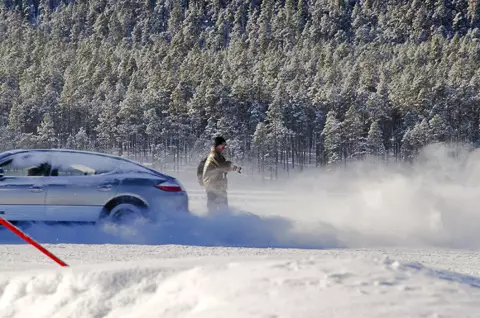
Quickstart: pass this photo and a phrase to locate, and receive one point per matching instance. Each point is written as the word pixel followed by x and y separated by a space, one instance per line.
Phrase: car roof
pixel 18 151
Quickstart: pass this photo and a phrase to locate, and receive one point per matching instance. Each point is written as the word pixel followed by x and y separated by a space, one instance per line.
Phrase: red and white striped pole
pixel 29 240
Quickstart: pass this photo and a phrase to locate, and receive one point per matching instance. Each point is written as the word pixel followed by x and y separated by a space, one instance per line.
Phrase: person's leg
pixel 217 200
pixel 211 198
pixel 222 199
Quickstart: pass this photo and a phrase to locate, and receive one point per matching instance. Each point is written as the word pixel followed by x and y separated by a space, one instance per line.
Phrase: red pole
pixel 29 240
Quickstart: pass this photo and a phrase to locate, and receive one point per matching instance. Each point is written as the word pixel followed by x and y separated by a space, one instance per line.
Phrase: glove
pixel 237 169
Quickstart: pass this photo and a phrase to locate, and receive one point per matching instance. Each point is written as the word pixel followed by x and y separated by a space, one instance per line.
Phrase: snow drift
pixel 220 287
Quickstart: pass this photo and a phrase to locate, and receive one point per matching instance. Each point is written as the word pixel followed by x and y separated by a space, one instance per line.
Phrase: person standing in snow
pixel 215 176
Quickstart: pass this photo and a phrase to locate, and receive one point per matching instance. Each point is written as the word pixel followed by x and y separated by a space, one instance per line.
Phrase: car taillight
pixel 169 187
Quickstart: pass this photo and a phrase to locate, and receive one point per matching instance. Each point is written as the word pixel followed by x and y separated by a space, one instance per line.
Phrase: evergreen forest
pixel 289 84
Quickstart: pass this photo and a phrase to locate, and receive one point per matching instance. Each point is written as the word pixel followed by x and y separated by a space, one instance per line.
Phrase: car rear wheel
pixel 125 213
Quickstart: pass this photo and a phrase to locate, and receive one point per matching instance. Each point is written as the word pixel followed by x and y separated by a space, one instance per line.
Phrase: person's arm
pixel 229 166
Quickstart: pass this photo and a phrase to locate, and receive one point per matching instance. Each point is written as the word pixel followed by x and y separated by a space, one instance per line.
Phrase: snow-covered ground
pixel 179 281
pixel 378 242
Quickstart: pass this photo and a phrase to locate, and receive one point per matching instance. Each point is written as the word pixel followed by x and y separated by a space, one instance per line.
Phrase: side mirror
pixel 2 173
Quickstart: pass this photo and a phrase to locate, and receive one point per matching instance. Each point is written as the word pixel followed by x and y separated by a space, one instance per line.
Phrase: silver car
pixel 79 186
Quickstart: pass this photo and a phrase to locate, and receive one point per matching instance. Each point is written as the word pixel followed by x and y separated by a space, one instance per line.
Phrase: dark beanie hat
pixel 218 141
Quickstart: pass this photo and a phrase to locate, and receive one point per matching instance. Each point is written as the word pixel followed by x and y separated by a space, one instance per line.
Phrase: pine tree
pixel 70 144
pixel 81 139
pixel 46 136
pixel 332 133
pixel 375 146
pixel 439 129
pixel 415 139
pixel 352 129
pixel 260 145
pixel 276 133
pixel 474 13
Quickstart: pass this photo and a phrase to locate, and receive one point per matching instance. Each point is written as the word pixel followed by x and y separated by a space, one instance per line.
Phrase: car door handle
pixel 36 189
pixel 104 187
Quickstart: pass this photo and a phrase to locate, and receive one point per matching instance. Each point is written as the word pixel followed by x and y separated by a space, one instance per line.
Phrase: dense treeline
pixel 288 83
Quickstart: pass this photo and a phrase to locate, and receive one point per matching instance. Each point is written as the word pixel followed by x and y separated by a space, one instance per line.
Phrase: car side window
pixel 72 170
pixel 79 164
pixel 26 165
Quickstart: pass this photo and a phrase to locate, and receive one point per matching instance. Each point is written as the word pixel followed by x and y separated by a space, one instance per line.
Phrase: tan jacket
pixel 215 172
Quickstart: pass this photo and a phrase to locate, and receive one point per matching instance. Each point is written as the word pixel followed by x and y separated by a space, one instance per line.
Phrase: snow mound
pixel 243 287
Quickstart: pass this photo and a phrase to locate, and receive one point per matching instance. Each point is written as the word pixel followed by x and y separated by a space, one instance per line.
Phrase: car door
pixel 79 186
pixel 22 187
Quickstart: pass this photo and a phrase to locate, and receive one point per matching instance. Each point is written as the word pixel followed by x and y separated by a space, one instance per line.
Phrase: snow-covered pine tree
pixel 374 144
pixel 332 133
pixel 46 136
pixel 81 139
pixel 352 135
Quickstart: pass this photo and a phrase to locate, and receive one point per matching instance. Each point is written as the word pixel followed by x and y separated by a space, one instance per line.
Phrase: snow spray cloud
pixel 234 228
pixel 230 229
pixel 433 202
